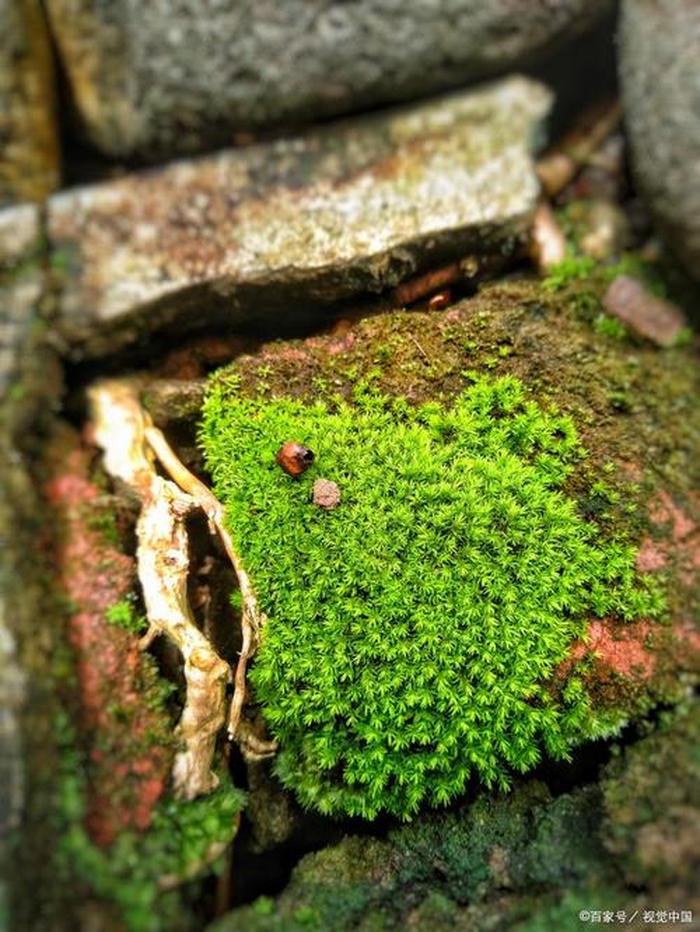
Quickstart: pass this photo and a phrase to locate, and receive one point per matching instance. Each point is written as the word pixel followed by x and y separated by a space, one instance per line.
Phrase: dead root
pixel 131 444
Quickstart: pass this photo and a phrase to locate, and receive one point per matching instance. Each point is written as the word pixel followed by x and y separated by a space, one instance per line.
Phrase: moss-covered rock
pixel 528 861
pixel 30 630
pixel 365 599
pixel 410 629
pixel 652 800
pixel 499 849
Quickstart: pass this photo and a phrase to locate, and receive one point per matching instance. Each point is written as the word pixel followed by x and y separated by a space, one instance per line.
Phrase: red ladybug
pixel 294 457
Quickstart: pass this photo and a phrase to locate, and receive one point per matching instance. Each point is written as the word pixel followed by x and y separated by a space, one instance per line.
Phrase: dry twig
pixel 129 441
pixel 252 619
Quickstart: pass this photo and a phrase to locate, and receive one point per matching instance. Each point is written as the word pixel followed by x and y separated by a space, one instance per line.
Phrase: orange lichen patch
pixel 125 735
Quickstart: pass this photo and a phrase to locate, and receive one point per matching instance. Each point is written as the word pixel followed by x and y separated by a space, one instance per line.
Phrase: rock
pixel 29 148
pixel 659 52
pixel 120 716
pixel 528 841
pixel 646 315
pixel 652 822
pixel 633 830
pixel 30 631
pixel 326 494
pixel 278 229
pixel 638 482
pixel 548 245
pixel 272 813
pixel 20 233
pixel 180 76
pixel 21 284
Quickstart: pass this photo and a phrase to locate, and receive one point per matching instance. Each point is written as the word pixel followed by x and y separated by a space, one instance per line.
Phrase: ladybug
pixel 294 457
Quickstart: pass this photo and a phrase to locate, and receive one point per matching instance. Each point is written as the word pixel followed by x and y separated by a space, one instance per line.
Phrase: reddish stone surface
pixel 126 741
pixel 648 316
pixel 619 648
pixel 642 651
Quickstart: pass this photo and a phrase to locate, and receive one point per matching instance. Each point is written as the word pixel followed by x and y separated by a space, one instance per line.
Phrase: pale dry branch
pixel 252 619
pixel 163 564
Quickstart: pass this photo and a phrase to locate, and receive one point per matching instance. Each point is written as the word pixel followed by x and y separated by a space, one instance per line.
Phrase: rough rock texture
pixel 247 234
pixel 659 52
pixel 29 149
pixel 183 74
pixel 530 861
pixel 29 387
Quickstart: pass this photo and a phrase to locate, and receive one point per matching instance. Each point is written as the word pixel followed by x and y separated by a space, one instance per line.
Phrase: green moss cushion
pixel 413 628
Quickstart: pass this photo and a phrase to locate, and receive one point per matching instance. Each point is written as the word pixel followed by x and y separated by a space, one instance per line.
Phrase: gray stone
pixel 268 231
pixel 29 151
pixel 29 635
pixel 176 75
pixel 20 233
pixel 659 55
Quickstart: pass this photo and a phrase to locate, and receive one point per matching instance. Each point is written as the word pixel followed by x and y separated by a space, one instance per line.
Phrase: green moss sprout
pixel 414 628
pixel 124 615
pixel 131 871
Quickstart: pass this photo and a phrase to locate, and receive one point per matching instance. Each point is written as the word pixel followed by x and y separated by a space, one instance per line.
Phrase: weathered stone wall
pixel 179 75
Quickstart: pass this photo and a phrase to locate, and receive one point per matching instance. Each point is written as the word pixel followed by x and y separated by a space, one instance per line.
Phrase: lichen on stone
pixel 413 628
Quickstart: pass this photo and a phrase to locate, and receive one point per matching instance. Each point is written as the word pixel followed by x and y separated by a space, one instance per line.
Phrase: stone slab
pixel 178 75
pixel 659 53
pixel 269 230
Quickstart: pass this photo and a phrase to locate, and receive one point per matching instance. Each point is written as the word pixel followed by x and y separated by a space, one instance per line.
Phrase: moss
pixel 103 521
pixel 567 913
pixel 123 614
pixel 610 327
pixel 129 872
pixel 652 801
pixel 572 268
pixel 411 629
pixel 525 844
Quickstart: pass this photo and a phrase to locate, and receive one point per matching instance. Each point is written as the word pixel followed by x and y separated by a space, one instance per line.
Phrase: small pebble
pixel 326 494
pixel 294 457
pixel 646 315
